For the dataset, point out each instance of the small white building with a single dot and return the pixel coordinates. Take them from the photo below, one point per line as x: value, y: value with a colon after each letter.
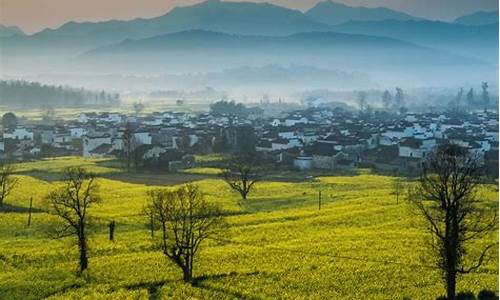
x: 303, y: 162
x: 19, y: 134
x: 92, y: 142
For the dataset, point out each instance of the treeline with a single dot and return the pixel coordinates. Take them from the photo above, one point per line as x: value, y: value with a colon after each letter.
x: 34, y: 94
x: 234, y: 109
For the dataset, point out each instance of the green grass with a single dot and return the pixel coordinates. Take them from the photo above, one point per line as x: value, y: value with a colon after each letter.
x: 360, y: 245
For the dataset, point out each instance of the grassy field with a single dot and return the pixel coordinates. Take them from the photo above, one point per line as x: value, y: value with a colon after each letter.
x: 125, y: 107
x: 360, y: 245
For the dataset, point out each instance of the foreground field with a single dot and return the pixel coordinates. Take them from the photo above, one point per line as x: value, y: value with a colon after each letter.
x: 360, y: 245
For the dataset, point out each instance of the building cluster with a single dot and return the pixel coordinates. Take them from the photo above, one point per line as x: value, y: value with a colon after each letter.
x: 305, y: 139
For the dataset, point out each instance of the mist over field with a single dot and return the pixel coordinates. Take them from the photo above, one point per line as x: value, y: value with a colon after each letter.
x: 256, y: 49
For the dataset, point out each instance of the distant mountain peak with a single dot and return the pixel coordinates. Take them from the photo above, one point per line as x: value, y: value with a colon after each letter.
x: 8, y: 31
x: 478, y: 18
x: 334, y: 13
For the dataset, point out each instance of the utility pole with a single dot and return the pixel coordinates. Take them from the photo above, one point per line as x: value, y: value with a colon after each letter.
x: 319, y: 200
x: 152, y: 227
x: 29, y: 211
x: 112, y: 225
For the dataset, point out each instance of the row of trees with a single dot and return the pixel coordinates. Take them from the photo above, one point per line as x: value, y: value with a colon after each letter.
x: 224, y: 107
x: 461, y: 104
x: 34, y: 94
x: 389, y: 102
x: 445, y: 196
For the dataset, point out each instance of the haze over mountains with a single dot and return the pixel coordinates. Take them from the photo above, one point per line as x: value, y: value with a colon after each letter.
x: 8, y: 31
x: 214, y: 36
x: 479, y: 18
x: 331, y: 13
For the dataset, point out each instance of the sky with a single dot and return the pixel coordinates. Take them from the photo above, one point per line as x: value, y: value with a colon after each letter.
x: 35, y: 15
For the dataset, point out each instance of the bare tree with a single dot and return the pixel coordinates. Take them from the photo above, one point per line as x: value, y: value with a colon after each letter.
x: 7, y: 181
x: 445, y: 197
x: 128, y: 141
x: 486, y: 96
x: 470, y: 98
x: 361, y: 99
x: 457, y: 107
x: 241, y: 175
x: 386, y: 100
x: 138, y: 107
x: 185, y: 220
x: 399, y: 99
x: 71, y: 203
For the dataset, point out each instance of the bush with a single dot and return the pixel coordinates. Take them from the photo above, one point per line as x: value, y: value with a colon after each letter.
x: 487, y: 295
x: 466, y: 296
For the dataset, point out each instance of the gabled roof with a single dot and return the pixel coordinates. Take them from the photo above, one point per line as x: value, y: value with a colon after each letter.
x: 102, y: 149
x: 411, y: 142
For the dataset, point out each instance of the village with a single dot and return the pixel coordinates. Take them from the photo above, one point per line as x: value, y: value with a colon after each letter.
x: 312, y: 138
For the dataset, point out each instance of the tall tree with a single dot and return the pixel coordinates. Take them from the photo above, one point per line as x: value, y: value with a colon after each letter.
x: 470, y: 98
x: 138, y: 107
x: 361, y: 99
x: 7, y: 182
x: 458, y: 102
x: 445, y: 196
x: 9, y: 120
x: 128, y: 142
x: 185, y: 219
x: 399, y: 99
x: 485, y: 96
x: 386, y: 100
x: 241, y: 174
x: 71, y: 204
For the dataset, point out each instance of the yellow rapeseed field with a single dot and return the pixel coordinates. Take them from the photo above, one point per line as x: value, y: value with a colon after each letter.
x: 279, y: 245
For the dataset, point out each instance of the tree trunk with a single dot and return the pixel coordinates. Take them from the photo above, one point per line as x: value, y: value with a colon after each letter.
x: 451, y: 281
x: 82, y: 245
x: 187, y: 274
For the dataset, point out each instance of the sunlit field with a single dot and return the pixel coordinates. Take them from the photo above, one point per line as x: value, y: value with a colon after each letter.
x: 126, y: 107
x: 361, y: 244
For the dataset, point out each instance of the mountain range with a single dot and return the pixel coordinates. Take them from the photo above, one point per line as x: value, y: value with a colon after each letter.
x: 216, y: 35
x: 479, y: 18
x: 380, y: 58
x: 333, y: 13
x: 477, y: 41
x: 8, y: 31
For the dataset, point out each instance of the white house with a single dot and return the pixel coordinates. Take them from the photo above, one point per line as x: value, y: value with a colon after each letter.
x: 287, y: 134
x: 77, y: 132
x: 142, y: 137
x: 303, y: 162
x: 92, y: 142
x: 19, y: 134
x: 292, y: 121
x: 416, y: 148
x: 281, y: 144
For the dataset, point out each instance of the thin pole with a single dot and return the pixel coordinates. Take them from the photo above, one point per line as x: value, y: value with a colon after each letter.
x: 29, y: 211
x: 319, y: 200
x: 152, y: 227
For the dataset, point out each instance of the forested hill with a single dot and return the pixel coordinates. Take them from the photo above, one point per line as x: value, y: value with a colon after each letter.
x: 34, y: 94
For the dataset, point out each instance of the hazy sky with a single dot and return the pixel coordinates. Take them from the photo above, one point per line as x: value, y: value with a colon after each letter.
x: 34, y: 15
